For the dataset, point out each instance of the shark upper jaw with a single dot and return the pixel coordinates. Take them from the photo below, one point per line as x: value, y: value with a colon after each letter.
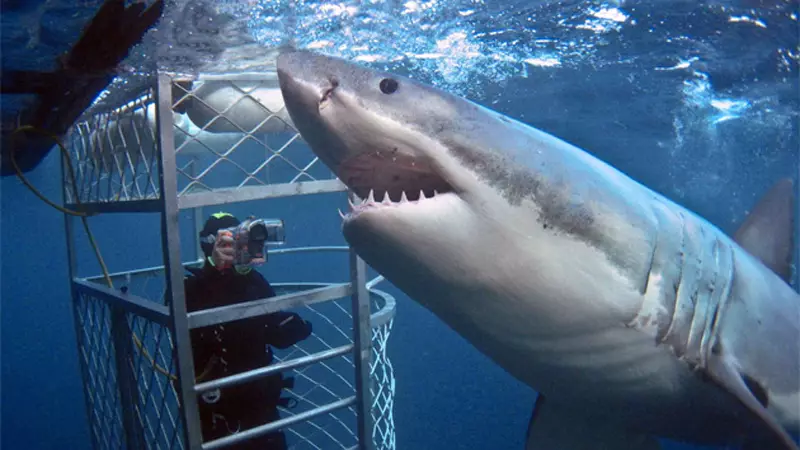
x: 386, y: 181
x: 370, y: 205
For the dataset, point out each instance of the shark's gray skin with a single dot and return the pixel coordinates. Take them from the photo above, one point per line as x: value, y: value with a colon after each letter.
x: 632, y: 316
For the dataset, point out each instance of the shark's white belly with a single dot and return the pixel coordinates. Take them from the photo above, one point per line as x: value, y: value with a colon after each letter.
x: 558, y: 324
x: 613, y: 372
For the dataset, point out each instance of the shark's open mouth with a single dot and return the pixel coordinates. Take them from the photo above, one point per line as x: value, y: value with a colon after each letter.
x: 384, y: 179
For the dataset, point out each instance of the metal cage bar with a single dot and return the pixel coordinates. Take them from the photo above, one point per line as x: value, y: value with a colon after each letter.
x: 243, y: 194
x: 171, y: 248
x: 197, y: 219
x: 363, y: 349
x: 157, y: 313
x: 72, y: 273
x: 229, y: 313
x: 272, y: 369
x: 126, y: 382
x: 278, y: 424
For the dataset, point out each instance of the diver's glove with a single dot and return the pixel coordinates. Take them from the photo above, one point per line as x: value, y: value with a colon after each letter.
x: 223, y: 253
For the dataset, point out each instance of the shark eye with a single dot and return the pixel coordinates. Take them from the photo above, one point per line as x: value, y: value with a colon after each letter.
x: 388, y: 86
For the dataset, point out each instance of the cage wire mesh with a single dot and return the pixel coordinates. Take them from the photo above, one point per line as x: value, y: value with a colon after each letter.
x: 127, y: 366
x: 382, y: 388
x: 150, y: 364
x: 155, y: 398
x: 113, y: 153
x: 96, y: 353
x: 226, y: 137
x: 238, y: 134
x: 332, y: 380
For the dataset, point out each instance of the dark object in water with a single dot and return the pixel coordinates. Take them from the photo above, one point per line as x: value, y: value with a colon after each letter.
x: 83, y: 72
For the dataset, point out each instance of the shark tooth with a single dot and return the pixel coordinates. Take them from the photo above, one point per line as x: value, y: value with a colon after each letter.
x: 403, y: 198
x: 421, y: 195
x: 371, y: 197
x: 341, y: 214
x: 350, y: 202
x: 386, y: 199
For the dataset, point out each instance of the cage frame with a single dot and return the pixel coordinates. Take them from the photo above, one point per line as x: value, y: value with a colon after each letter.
x: 169, y: 204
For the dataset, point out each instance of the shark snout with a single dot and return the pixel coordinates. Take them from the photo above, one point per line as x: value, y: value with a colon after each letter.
x: 307, y: 82
x: 302, y: 87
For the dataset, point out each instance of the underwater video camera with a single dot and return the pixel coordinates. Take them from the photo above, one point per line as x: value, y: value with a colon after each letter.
x: 251, y: 237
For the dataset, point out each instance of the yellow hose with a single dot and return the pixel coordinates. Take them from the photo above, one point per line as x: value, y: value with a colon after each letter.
x: 92, y: 241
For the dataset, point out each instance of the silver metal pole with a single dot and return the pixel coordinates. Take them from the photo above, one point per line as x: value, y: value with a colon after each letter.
x: 197, y: 217
x: 266, y: 371
x: 127, y: 385
x: 75, y: 296
x: 284, y: 423
x: 171, y: 246
x: 362, y: 338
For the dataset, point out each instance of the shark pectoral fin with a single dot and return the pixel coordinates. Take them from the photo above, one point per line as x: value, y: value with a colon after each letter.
x: 723, y: 373
x: 552, y: 428
x: 767, y: 232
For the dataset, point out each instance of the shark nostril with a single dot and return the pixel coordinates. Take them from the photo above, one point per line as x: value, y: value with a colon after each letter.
x: 334, y: 83
x: 326, y: 95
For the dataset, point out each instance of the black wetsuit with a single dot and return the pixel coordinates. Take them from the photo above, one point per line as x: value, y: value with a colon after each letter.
x: 235, y: 347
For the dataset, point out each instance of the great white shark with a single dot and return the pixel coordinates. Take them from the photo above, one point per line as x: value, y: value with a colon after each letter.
x: 631, y: 316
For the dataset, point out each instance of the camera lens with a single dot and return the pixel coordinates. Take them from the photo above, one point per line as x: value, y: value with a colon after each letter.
x: 258, y: 232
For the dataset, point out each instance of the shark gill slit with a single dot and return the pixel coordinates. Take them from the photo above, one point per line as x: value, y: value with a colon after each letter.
x: 702, y: 298
x: 724, y: 259
x: 716, y: 288
x: 714, y: 305
x: 672, y: 332
x: 669, y: 299
x: 699, y: 301
x: 664, y: 275
x: 653, y: 254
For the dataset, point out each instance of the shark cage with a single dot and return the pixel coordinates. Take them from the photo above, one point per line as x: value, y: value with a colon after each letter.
x: 171, y: 146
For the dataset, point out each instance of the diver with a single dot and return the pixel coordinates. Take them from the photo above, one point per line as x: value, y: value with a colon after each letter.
x: 235, y: 347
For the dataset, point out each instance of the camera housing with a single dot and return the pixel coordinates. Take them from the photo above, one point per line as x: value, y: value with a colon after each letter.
x: 251, y: 238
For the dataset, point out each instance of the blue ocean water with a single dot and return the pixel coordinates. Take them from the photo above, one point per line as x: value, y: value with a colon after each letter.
x: 697, y: 100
